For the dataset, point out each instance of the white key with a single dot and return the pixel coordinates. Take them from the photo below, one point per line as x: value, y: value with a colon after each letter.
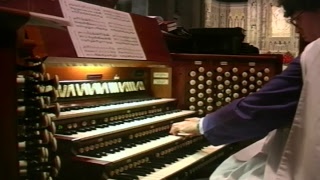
x: 126, y: 126
x: 130, y: 152
x: 182, y: 163
x: 109, y: 108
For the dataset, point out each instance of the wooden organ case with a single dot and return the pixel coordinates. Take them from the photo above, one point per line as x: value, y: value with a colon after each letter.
x: 27, y: 129
x: 115, y: 114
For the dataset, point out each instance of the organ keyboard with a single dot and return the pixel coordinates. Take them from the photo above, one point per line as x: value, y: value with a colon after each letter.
x: 166, y: 157
x: 168, y: 166
x: 105, y: 108
x: 126, y: 124
x: 181, y: 163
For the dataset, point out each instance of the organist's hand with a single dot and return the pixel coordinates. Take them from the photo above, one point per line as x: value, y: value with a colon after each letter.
x: 188, y: 127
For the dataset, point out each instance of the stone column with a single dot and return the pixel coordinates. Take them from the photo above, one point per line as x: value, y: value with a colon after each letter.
x: 207, y: 13
x: 140, y: 7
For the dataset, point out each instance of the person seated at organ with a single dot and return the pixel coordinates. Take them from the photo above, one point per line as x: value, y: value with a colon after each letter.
x: 283, y: 110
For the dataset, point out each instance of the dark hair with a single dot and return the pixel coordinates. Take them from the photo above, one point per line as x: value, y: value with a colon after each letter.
x: 292, y: 6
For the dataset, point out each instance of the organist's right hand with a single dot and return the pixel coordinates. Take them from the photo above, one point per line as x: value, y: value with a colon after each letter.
x: 188, y: 127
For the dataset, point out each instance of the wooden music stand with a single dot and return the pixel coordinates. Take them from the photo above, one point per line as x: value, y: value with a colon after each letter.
x: 148, y: 31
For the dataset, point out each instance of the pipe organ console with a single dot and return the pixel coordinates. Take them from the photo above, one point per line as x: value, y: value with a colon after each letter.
x: 207, y: 82
x: 107, y: 119
x: 116, y: 127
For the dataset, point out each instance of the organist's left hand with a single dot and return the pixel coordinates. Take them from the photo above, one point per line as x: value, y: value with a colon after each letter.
x: 188, y: 127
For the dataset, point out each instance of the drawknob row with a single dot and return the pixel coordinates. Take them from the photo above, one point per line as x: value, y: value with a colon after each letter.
x: 36, y: 105
x: 210, y: 89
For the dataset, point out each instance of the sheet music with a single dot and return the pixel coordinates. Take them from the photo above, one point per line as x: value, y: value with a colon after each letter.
x: 99, y: 32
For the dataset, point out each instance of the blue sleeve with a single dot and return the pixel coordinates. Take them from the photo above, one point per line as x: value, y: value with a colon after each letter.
x: 256, y: 115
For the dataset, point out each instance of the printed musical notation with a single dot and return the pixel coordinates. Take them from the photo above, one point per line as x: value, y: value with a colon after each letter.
x: 99, y: 32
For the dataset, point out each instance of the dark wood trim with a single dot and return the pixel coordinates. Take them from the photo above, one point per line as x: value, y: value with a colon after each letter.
x: 8, y: 132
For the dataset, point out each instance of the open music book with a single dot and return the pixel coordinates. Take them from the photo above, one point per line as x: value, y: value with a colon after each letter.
x: 100, y: 32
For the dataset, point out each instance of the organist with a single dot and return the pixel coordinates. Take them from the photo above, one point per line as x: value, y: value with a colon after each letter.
x: 283, y: 102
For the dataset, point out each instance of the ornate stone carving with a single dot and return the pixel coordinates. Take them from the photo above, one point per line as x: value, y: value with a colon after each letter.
x: 264, y: 22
